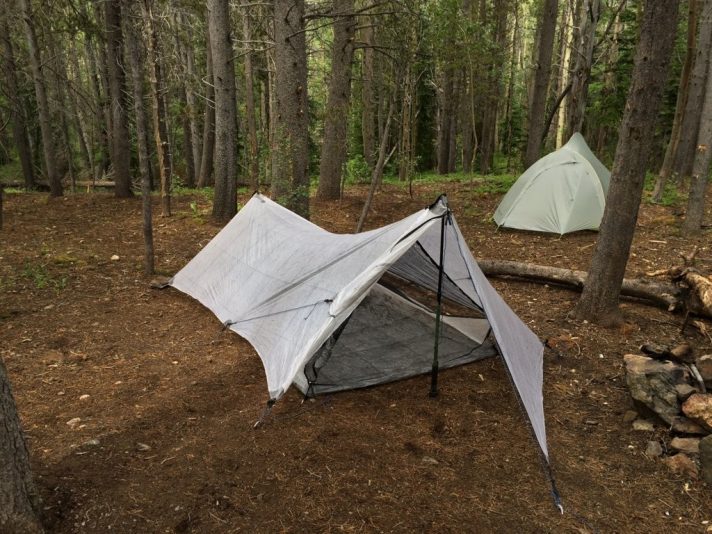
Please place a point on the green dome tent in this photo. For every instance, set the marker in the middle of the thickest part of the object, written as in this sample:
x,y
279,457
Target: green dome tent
x,y
563,192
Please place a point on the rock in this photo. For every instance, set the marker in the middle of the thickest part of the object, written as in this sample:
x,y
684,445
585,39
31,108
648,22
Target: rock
x,y
429,460
160,282
83,397
143,447
115,257
643,425
706,459
74,422
629,416
704,366
652,383
682,464
699,408
686,445
682,425
684,391
92,442
654,449
683,353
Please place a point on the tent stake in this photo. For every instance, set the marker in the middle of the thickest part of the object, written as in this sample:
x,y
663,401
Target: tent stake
x,y
438,310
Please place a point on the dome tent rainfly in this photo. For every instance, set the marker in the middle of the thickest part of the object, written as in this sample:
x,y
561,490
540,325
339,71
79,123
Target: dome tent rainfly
x,y
563,192
314,305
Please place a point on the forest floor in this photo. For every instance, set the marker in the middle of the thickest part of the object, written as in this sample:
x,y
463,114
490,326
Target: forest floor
x,y
139,408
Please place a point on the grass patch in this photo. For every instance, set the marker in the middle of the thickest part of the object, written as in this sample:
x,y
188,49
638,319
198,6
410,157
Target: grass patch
x,y
41,278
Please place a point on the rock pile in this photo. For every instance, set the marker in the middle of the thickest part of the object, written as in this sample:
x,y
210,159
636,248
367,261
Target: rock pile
x,y
669,386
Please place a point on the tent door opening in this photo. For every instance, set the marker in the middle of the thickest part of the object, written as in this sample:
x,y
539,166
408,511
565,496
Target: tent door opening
x,y
389,337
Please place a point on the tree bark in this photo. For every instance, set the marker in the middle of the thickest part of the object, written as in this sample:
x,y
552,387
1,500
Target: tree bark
x,y
495,67
660,294
290,150
377,174
17,112
100,125
197,146
205,177
368,121
78,115
144,161
681,103
590,15
701,166
225,201
446,118
19,499
599,300
253,161
685,152
120,149
537,107
43,111
160,111
334,149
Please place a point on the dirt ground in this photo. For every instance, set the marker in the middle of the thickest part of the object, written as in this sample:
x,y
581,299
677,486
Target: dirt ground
x,y
166,400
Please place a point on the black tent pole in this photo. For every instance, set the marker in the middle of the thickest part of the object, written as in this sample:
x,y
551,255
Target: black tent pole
x,y
438,310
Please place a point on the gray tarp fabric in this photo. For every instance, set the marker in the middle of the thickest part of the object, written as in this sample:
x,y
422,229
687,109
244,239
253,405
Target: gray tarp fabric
x,y
309,302
563,192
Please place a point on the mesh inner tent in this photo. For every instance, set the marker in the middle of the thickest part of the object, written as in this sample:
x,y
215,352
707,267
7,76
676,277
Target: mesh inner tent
x,y
388,338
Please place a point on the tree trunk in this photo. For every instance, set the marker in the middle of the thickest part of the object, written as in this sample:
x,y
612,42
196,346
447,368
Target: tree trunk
x,y
290,150
43,111
590,15
466,124
253,161
493,87
537,107
599,301
334,149
682,95
701,166
160,111
61,81
144,160
660,294
100,125
205,177
17,112
377,174
405,137
78,116
120,149
368,121
685,154
191,102
187,141
446,117
225,201
19,500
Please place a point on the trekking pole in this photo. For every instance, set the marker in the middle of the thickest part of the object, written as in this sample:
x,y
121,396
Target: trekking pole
x,y
438,310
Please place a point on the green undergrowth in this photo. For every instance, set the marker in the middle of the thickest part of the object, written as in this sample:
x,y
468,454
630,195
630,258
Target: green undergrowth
x,y
477,183
10,172
39,275
672,194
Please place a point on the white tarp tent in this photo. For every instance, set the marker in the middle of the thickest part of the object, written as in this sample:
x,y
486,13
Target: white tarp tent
x,y
313,305
563,192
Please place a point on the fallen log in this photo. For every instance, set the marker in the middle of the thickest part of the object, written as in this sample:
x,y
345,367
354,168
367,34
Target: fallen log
x,y
661,294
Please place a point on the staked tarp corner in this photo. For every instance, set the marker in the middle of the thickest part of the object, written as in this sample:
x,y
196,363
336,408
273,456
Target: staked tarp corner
x,y
563,192
317,309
